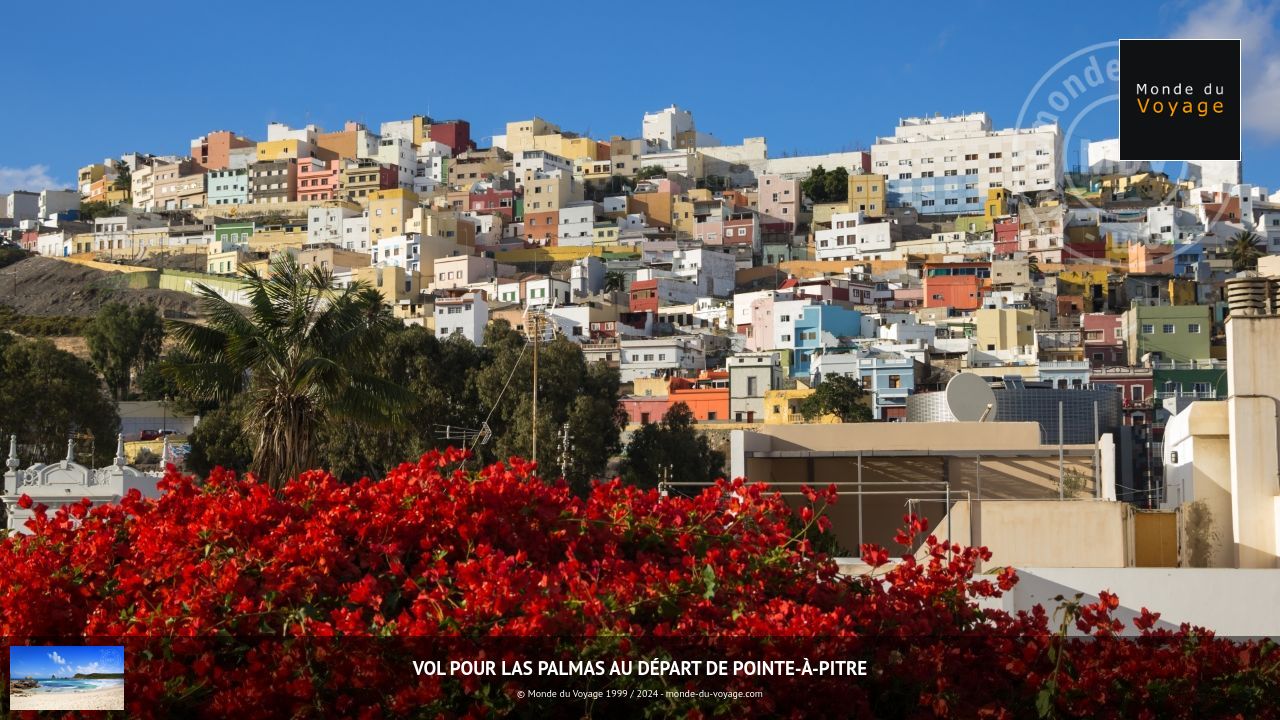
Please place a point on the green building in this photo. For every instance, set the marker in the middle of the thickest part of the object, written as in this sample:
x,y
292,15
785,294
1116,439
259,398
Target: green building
x,y
1168,332
232,234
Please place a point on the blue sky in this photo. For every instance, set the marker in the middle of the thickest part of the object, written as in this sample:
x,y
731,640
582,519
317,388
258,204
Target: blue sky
x,y
89,80
64,660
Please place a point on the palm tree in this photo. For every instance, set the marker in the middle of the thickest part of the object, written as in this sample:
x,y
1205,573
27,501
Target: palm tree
x,y
302,352
1244,249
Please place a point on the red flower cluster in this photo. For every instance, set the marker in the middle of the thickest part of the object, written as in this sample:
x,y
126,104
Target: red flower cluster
x,y
235,600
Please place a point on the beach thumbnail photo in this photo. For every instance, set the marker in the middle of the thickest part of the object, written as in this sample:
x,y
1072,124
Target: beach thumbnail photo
x,y
66,677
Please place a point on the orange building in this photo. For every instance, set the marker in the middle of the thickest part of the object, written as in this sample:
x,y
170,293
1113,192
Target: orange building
x,y
1155,259
956,285
542,228
213,151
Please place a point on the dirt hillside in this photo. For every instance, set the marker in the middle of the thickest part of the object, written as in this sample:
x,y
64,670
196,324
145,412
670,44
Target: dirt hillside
x,y
44,286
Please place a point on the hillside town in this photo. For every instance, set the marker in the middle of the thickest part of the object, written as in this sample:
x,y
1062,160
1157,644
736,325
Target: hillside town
x,y
1090,297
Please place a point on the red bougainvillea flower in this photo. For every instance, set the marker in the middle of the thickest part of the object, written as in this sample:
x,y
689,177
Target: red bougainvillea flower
x,y
234,600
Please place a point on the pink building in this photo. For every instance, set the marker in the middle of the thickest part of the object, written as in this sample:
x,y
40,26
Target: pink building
x,y
317,180
760,332
779,201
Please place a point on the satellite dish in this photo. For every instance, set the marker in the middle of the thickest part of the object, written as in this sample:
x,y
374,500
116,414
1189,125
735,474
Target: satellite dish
x,y
970,398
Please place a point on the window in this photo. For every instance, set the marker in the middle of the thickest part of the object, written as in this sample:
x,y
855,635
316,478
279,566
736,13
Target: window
x,y
711,415
1119,332
952,201
971,171
895,381
993,156
1167,328
904,176
1148,328
1136,392
995,169
1202,389
949,173
973,156
927,174
1193,328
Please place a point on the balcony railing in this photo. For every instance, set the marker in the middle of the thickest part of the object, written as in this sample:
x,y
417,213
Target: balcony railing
x,y
1189,365
1210,394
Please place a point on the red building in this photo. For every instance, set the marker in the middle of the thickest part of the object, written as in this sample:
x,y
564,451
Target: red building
x,y
454,133
644,296
494,202
1104,339
1005,232
960,286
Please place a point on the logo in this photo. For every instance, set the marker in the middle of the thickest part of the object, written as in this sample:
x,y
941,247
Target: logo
x,y
1180,98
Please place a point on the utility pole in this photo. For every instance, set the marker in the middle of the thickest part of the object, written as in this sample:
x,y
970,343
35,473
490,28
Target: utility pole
x,y
564,451
534,317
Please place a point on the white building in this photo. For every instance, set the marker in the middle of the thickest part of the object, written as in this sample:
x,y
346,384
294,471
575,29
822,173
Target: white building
x,y
324,223
403,251
751,375
461,271
62,483
665,127
946,165
355,232
53,202
851,237
23,205
714,272
465,315
577,224
654,357
1104,159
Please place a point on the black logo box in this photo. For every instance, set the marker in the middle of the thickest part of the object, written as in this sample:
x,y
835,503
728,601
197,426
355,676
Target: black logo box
x,y
1186,68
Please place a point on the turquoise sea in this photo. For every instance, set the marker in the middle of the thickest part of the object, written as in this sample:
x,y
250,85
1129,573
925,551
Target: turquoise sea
x,y
73,685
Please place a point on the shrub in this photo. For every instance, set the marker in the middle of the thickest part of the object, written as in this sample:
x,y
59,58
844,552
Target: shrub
x,y
239,601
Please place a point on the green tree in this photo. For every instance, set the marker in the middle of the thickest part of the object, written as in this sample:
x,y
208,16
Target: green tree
x,y
46,394
614,281
304,354
823,187
124,340
438,375
651,171
124,177
220,441
92,210
1244,249
571,391
838,395
671,449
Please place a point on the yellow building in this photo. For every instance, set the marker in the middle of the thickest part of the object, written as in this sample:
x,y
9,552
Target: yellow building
x,y
88,175
782,407
390,212
395,284
274,238
1078,280
1006,328
997,204
283,149
605,234
867,194
1148,186
521,134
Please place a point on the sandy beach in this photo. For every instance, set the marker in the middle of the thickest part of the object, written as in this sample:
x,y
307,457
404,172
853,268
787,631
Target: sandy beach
x,y
110,698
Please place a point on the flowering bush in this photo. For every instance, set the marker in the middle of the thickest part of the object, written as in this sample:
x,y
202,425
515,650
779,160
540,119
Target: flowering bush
x,y
235,600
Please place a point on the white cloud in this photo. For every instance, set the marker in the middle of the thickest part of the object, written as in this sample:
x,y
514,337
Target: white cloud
x,y
1254,24
93,667
34,178
54,656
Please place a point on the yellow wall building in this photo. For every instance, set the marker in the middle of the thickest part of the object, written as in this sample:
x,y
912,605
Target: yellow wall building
x,y
1005,328
782,407
390,212
283,149
867,194
997,204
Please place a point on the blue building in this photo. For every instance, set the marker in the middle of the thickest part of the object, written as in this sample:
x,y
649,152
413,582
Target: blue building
x,y
822,326
946,195
888,378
